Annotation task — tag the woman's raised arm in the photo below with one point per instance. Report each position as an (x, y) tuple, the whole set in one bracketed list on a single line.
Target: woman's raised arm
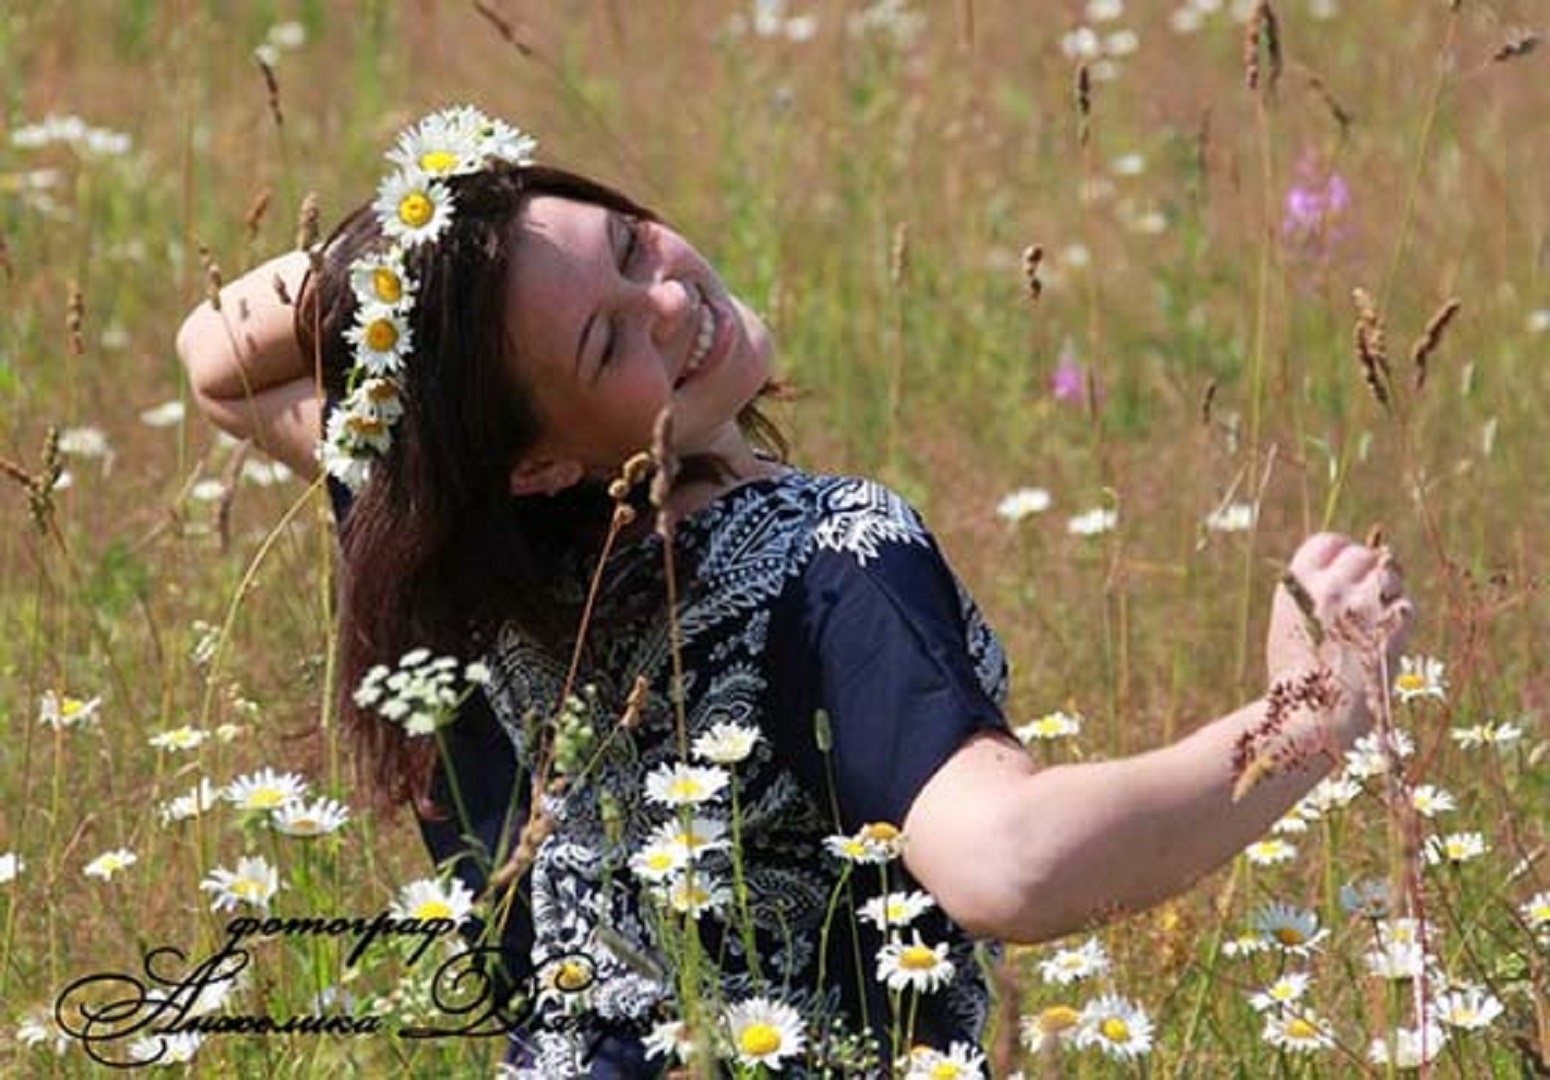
[(245, 368), (1023, 853)]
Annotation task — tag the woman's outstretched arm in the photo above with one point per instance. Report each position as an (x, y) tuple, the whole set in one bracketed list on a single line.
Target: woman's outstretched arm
[(245, 368), (1022, 853)]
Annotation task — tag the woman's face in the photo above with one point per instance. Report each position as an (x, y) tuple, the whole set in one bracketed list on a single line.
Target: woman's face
[(613, 318)]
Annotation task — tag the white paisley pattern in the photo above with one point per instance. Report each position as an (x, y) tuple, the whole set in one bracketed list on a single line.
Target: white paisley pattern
[(745, 549)]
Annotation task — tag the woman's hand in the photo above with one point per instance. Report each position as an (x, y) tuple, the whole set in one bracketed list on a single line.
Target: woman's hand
[(1341, 605)]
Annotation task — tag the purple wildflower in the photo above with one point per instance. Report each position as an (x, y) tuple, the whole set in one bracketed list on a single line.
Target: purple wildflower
[(1315, 209), (1069, 380)]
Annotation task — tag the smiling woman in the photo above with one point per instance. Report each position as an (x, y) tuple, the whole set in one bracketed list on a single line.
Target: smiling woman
[(684, 756)]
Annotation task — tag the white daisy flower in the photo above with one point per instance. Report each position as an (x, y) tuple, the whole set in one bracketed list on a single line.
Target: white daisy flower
[(1469, 1008), (1368, 898), (208, 490), (852, 849), (1093, 522), (254, 883), (1049, 1028), (1291, 823), (670, 1039), (265, 790), (895, 910), (916, 966), (413, 208), (764, 1032), (1329, 794), (1117, 1025), (382, 339), (1408, 1048), (961, 1061), (1430, 800), (1292, 930), (1421, 676), (11, 866), (1536, 911), (1286, 990), (1270, 851), (1370, 755), (1022, 503), (567, 978), (40, 1027), (200, 798), (1055, 725), (726, 744), (438, 146), (1486, 734), (264, 473), (167, 414), (1234, 517), (341, 456), (1455, 848), (1399, 952), (85, 442), (1298, 1030), (175, 1049), (694, 838), (430, 898), (109, 863), (60, 711), (695, 894), (379, 280), (303, 819), (658, 862), (1247, 943), (186, 737), (1073, 965), (677, 784)]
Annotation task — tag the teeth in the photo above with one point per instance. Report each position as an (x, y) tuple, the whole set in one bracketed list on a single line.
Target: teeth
[(703, 339)]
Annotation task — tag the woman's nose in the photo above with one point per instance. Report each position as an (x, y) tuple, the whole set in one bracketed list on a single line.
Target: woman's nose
[(669, 301)]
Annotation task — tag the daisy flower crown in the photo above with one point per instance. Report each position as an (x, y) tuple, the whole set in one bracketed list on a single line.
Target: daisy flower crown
[(414, 206)]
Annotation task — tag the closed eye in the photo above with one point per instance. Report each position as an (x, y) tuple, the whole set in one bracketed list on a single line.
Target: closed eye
[(628, 250)]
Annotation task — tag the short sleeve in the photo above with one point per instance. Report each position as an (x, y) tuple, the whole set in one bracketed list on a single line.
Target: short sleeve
[(906, 670)]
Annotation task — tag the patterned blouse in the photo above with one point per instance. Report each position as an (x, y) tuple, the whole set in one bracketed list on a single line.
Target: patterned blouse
[(819, 611)]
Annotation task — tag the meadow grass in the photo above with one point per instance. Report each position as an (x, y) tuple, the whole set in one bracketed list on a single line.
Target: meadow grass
[(870, 180)]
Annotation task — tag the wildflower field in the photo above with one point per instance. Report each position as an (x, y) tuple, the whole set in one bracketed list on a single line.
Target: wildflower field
[(1126, 298)]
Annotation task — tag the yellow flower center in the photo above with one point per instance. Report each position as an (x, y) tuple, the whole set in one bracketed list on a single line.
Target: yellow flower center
[(381, 335), (917, 958), (1539, 913), (1411, 680), (416, 209), (266, 798), (659, 860), (1058, 1018), (572, 976), (854, 848), (70, 706), (895, 910), (366, 426), (1071, 961), (1299, 1028), (438, 161), (386, 284), (1464, 1015), (880, 831), (685, 788), (1283, 992), (433, 909), (945, 1070), (249, 889), (1288, 935), (305, 825), (1115, 1029), (759, 1039)]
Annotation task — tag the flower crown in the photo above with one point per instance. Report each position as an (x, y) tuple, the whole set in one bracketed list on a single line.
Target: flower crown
[(414, 206)]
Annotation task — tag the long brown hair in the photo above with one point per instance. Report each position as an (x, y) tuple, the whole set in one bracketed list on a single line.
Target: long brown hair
[(436, 551)]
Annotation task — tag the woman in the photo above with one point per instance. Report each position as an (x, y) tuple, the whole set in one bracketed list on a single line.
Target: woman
[(496, 340)]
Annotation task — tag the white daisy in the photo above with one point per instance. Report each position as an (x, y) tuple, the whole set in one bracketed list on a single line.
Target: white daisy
[(1286, 990), (658, 862), (200, 798), (254, 883), (429, 898), (961, 1061), (1368, 898), (382, 338), (1298, 1030), (895, 910), (764, 1032), (726, 744), (694, 838), (1234, 517), (1536, 911), (1329, 794), (1370, 755), (413, 208), (167, 414), (1408, 1048), (916, 966), (1073, 965), (1049, 1028), (304, 819), (109, 863), (265, 790), (1247, 943), (175, 1049), (186, 737), (1486, 734), (695, 894), (438, 146), (670, 1039), (677, 784), (85, 442), (1289, 929), (1117, 1025), (1022, 503), (1430, 800), (1291, 823), (60, 711), (852, 849), (1470, 1008), (1270, 851), (1455, 848), (1399, 952), (380, 280), (11, 866), (1093, 522), (40, 1027), (1055, 725), (1421, 676)]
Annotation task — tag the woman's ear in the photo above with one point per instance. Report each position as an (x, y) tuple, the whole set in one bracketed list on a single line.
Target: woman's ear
[(544, 476)]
